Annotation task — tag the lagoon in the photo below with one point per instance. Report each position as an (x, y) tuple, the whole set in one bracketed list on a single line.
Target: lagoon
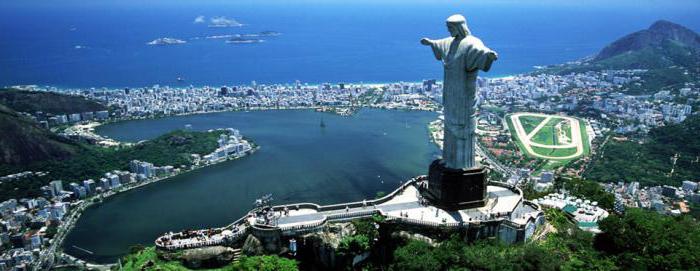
[(351, 159)]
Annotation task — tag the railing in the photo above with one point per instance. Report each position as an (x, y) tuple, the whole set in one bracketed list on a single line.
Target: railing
[(303, 229), (352, 215), (297, 206), (206, 243), (418, 222), (378, 201), (331, 216)]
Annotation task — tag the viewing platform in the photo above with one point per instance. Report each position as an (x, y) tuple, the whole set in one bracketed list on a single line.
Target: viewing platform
[(506, 215)]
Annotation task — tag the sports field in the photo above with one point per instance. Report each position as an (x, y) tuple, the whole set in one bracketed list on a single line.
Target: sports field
[(551, 137)]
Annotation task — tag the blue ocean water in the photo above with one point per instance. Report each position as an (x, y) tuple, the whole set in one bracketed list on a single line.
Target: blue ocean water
[(322, 41)]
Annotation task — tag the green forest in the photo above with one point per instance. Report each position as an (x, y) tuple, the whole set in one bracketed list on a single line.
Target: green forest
[(649, 162), (624, 244), (92, 162)]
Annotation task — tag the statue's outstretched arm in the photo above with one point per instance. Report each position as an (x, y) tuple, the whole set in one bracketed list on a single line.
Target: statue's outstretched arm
[(432, 43)]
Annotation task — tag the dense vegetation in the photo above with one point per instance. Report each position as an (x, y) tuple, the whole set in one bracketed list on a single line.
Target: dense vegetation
[(147, 259), (22, 141), (650, 162), (644, 240), (566, 249), (47, 102), (173, 149), (364, 237), (586, 189), (637, 240)]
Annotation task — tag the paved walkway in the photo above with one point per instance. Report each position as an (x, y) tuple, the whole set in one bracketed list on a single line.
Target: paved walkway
[(305, 218)]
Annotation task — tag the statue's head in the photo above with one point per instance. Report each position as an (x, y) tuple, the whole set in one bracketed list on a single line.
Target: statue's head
[(457, 25)]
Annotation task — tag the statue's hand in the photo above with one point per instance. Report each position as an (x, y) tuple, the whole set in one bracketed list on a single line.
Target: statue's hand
[(492, 55), (426, 41)]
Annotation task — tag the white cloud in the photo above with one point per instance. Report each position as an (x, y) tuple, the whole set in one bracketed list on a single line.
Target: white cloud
[(199, 20)]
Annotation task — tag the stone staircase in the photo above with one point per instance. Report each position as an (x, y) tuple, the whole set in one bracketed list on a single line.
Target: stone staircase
[(237, 254)]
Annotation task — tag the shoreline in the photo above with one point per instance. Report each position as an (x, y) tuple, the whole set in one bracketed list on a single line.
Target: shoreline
[(358, 108), (175, 85), (79, 207), (84, 204)]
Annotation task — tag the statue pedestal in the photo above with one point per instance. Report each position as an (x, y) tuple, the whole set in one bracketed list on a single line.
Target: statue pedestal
[(455, 189)]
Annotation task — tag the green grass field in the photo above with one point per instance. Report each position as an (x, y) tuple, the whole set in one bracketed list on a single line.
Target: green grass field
[(567, 129), (548, 136), (584, 138), (530, 122), (554, 152)]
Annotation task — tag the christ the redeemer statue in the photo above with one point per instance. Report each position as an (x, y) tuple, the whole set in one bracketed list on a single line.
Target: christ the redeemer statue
[(462, 56)]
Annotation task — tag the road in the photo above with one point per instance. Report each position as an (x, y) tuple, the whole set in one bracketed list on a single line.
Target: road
[(506, 171)]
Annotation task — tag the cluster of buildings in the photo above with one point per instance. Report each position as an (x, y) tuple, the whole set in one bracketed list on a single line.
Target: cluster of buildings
[(25, 227), (585, 213), (164, 100), (28, 226), (641, 113), (49, 120), (600, 95), (140, 172), (231, 145), (21, 175), (664, 199)]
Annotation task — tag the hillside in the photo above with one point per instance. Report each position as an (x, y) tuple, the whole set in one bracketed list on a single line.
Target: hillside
[(659, 35), (22, 141), (47, 102), (650, 162), (90, 162), (670, 52)]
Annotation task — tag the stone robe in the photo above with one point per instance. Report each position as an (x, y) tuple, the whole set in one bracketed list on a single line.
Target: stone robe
[(462, 59)]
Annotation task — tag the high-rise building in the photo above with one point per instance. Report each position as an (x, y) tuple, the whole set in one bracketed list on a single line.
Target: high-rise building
[(104, 184), (690, 186), (89, 186), (57, 187)]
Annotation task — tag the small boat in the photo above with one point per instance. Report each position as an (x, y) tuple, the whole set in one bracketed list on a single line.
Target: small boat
[(323, 124)]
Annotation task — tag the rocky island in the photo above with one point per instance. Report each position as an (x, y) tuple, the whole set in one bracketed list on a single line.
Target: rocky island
[(241, 40), (166, 41)]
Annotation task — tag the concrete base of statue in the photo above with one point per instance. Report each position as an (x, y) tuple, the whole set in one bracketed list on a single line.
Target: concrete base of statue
[(456, 189)]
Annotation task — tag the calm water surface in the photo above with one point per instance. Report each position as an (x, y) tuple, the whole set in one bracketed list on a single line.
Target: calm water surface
[(103, 43), (352, 158)]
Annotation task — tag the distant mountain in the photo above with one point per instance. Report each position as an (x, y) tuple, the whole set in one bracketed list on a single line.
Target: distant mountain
[(660, 35), (663, 45), (47, 102), (23, 141), (670, 52)]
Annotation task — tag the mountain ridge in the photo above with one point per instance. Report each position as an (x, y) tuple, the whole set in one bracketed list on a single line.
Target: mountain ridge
[(668, 52), (23, 141), (656, 35)]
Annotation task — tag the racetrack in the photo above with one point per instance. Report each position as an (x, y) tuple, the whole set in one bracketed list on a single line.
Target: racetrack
[(576, 140)]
